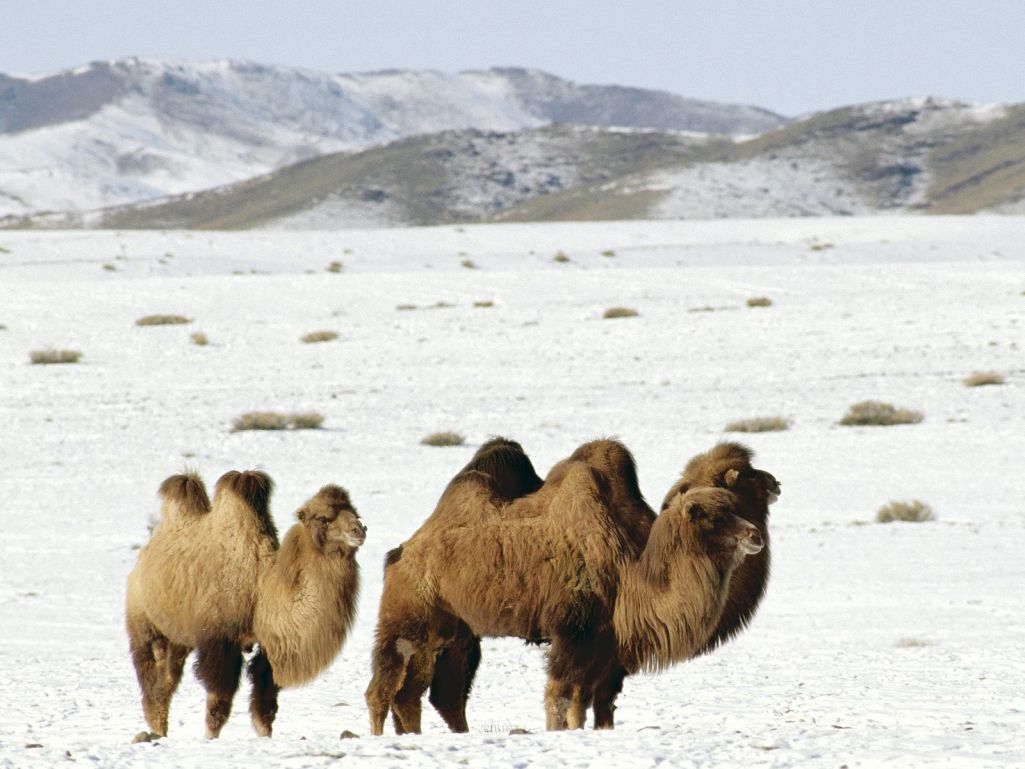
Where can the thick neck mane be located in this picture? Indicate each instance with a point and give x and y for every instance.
(670, 599)
(307, 603)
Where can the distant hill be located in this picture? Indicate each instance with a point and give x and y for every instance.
(924, 155)
(122, 132)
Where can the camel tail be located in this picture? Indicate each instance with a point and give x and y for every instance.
(186, 493)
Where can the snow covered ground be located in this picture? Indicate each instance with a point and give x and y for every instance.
(895, 645)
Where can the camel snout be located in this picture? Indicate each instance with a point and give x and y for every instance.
(751, 542)
(749, 539)
(357, 535)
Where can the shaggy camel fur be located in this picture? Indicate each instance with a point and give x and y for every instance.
(212, 579)
(450, 675)
(727, 465)
(554, 562)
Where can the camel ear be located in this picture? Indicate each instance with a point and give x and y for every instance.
(730, 478)
(302, 514)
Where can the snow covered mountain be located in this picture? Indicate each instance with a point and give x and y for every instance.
(119, 132)
(914, 156)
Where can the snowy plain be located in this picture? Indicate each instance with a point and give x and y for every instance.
(877, 644)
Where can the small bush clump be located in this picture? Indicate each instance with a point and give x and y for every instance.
(273, 420)
(334, 267)
(199, 338)
(405, 307)
(561, 257)
(484, 303)
(162, 320)
(443, 439)
(42, 357)
(608, 252)
(306, 420)
(914, 511)
(759, 301)
(982, 378)
(620, 312)
(879, 413)
(319, 336)
(469, 264)
(758, 425)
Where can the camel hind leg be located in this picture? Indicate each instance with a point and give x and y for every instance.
(454, 671)
(218, 667)
(605, 693)
(158, 668)
(407, 705)
(263, 699)
(390, 659)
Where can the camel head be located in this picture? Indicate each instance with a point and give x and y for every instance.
(332, 521)
(728, 466)
(709, 524)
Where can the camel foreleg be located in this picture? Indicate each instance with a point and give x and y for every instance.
(263, 698)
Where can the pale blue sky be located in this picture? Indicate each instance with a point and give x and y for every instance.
(791, 56)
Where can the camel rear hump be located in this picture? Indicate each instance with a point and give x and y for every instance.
(184, 495)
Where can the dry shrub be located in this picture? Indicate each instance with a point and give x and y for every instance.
(758, 425)
(759, 301)
(404, 307)
(879, 413)
(43, 357)
(273, 420)
(914, 511)
(334, 267)
(199, 338)
(162, 320)
(484, 303)
(620, 312)
(561, 257)
(608, 252)
(982, 378)
(110, 267)
(319, 336)
(912, 643)
(306, 420)
(443, 439)
(469, 264)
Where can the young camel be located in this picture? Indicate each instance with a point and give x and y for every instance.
(556, 575)
(213, 579)
(727, 465)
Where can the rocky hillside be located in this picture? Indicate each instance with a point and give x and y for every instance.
(122, 132)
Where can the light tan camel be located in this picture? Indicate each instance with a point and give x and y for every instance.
(212, 579)
(549, 565)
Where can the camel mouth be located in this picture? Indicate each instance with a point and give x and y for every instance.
(751, 544)
(355, 540)
(772, 497)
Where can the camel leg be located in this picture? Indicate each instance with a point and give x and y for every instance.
(605, 694)
(407, 707)
(454, 671)
(158, 668)
(218, 667)
(389, 666)
(263, 699)
(557, 700)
